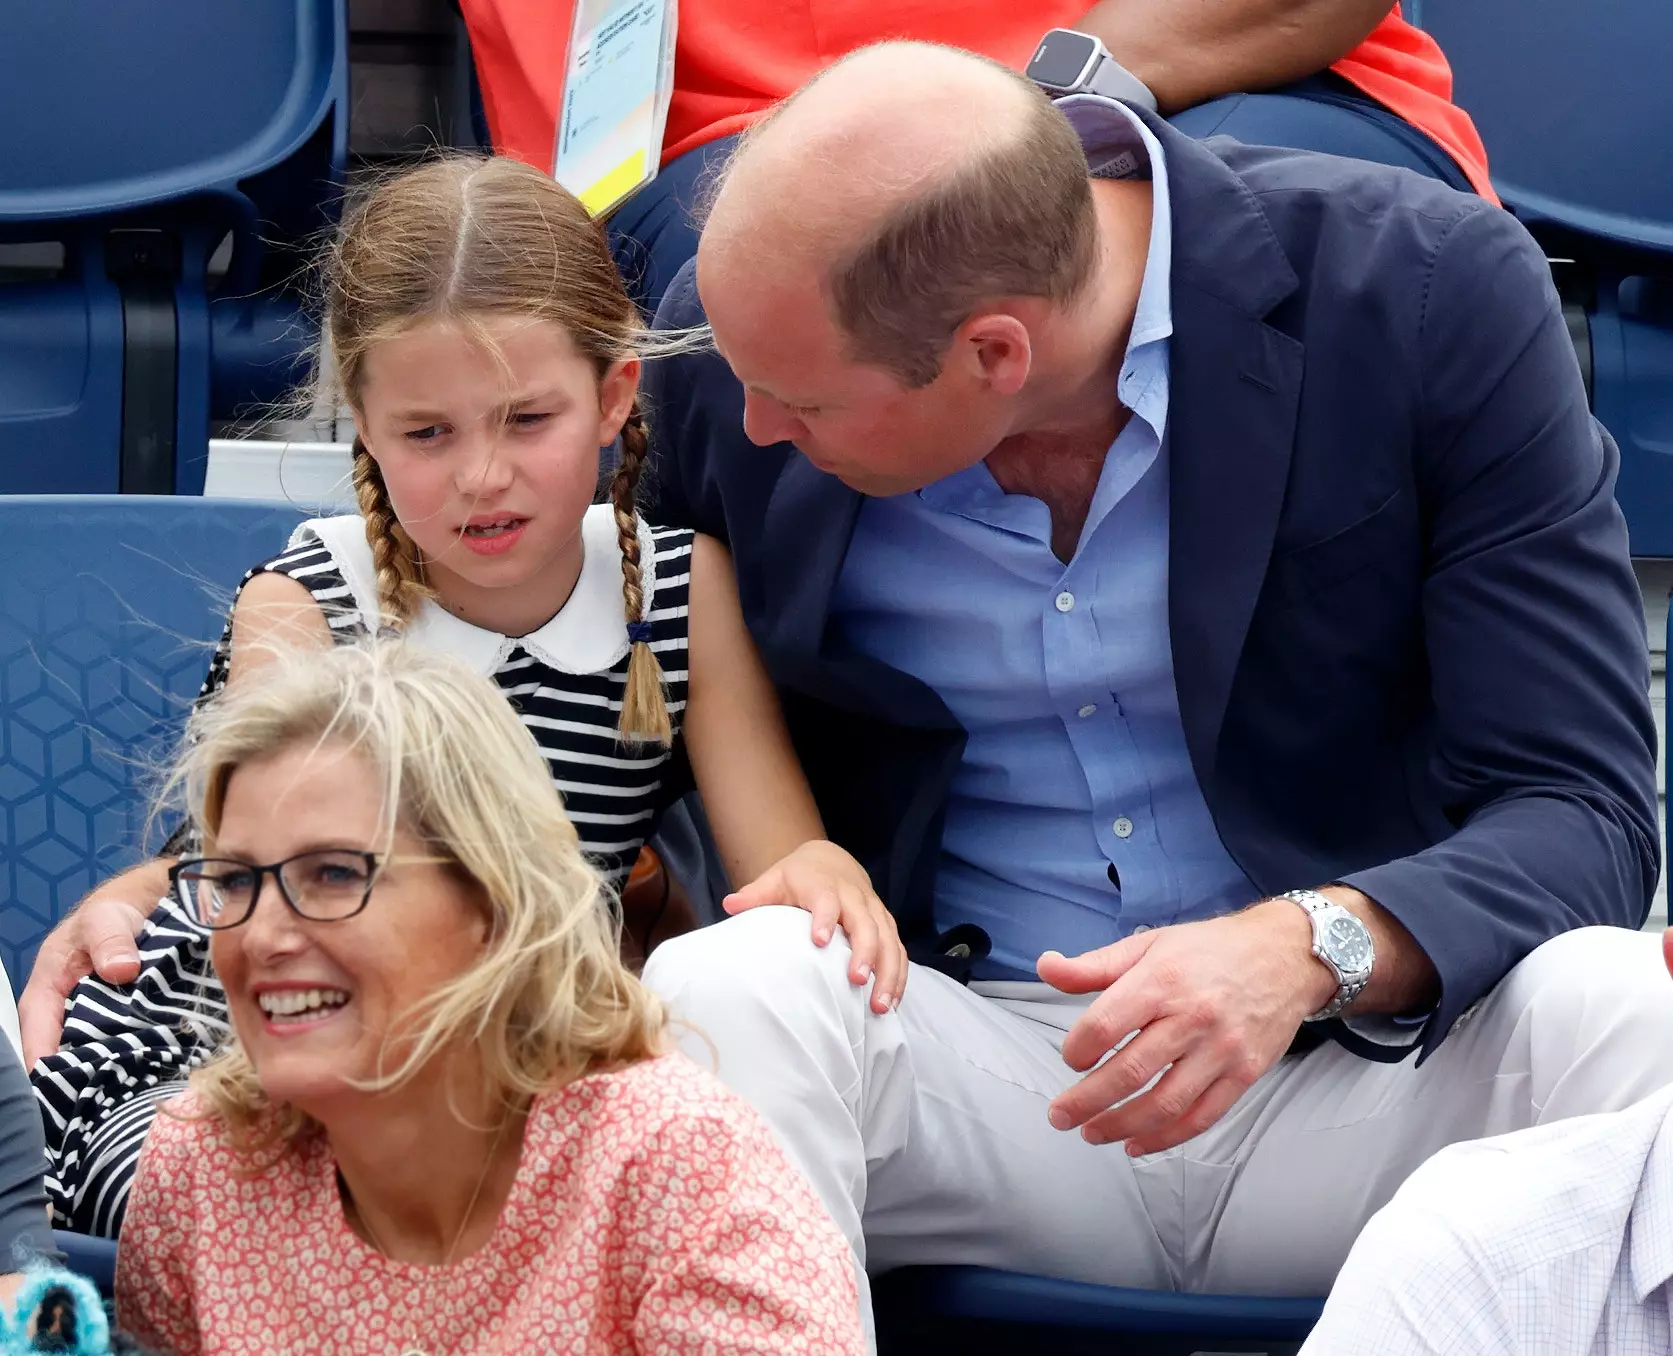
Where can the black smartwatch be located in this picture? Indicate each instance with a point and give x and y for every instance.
(1070, 62)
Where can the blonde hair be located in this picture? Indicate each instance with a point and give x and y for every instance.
(463, 238)
(549, 999)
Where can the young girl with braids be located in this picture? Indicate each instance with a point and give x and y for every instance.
(488, 350)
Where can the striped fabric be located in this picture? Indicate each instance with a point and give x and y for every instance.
(126, 1050)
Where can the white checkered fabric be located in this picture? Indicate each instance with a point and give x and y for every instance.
(1555, 1241)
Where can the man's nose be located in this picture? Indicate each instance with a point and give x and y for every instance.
(767, 422)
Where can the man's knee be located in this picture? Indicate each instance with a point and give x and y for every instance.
(1596, 996)
(762, 958)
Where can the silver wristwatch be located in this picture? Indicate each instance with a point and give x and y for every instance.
(1343, 943)
(1071, 62)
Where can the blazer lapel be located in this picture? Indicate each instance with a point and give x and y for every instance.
(1234, 394)
(1232, 412)
(810, 518)
(810, 521)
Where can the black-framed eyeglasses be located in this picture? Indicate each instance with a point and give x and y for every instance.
(325, 886)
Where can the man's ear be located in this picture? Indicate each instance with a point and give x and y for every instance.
(996, 348)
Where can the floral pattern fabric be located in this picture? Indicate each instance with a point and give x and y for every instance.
(652, 1212)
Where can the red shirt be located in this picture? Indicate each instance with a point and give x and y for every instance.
(736, 58)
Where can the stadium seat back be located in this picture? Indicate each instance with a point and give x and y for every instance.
(1574, 103)
(143, 142)
(109, 607)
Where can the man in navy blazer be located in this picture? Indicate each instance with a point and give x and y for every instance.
(1197, 595)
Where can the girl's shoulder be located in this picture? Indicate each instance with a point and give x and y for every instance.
(600, 531)
(331, 558)
(672, 542)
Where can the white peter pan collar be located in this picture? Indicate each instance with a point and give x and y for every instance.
(588, 634)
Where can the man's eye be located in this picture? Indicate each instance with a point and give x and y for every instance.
(530, 418)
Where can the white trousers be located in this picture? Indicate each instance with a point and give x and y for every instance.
(924, 1130)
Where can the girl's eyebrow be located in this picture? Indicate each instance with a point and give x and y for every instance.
(542, 395)
(538, 395)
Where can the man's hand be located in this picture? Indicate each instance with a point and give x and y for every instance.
(1214, 1005)
(1218, 1001)
(99, 937)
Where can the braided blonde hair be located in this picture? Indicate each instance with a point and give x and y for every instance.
(464, 238)
(644, 704)
(400, 572)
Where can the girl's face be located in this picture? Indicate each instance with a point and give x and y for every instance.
(491, 458)
(320, 1005)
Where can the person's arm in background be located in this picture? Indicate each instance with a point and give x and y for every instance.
(1191, 51)
(97, 937)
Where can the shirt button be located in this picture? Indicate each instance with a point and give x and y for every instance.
(1087, 710)
(1065, 602)
(1123, 827)
(1142, 927)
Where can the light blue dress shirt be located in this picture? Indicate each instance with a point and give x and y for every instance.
(1075, 817)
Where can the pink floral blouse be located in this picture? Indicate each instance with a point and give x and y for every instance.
(651, 1212)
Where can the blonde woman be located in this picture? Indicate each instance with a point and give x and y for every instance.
(446, 1121)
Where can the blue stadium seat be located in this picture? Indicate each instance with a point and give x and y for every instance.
(1575, 106)
(972, 1311)
(94, 1258)
(134, 139)
(108, 608)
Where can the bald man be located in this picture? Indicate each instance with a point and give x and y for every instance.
(1194, 583)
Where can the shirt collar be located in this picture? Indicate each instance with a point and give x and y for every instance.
(1652, 1211)
(1119, 146)
(588, 634)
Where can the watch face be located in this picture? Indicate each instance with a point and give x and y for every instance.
(1061, 59)
(1348, 944)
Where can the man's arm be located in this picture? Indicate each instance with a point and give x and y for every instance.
(1190, 51)
(1415, 1285)
(1545, 745)
(689, 406)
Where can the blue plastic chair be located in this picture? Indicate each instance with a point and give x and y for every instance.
(109, 606)
(973, 1311)
(94, 1258)
(138, 137)
(1575, 106)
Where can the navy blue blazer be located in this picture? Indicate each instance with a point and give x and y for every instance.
(1407, 638)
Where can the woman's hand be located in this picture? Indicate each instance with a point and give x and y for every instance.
(823, 879)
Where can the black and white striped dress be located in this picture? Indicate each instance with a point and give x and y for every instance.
(125, 1050)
